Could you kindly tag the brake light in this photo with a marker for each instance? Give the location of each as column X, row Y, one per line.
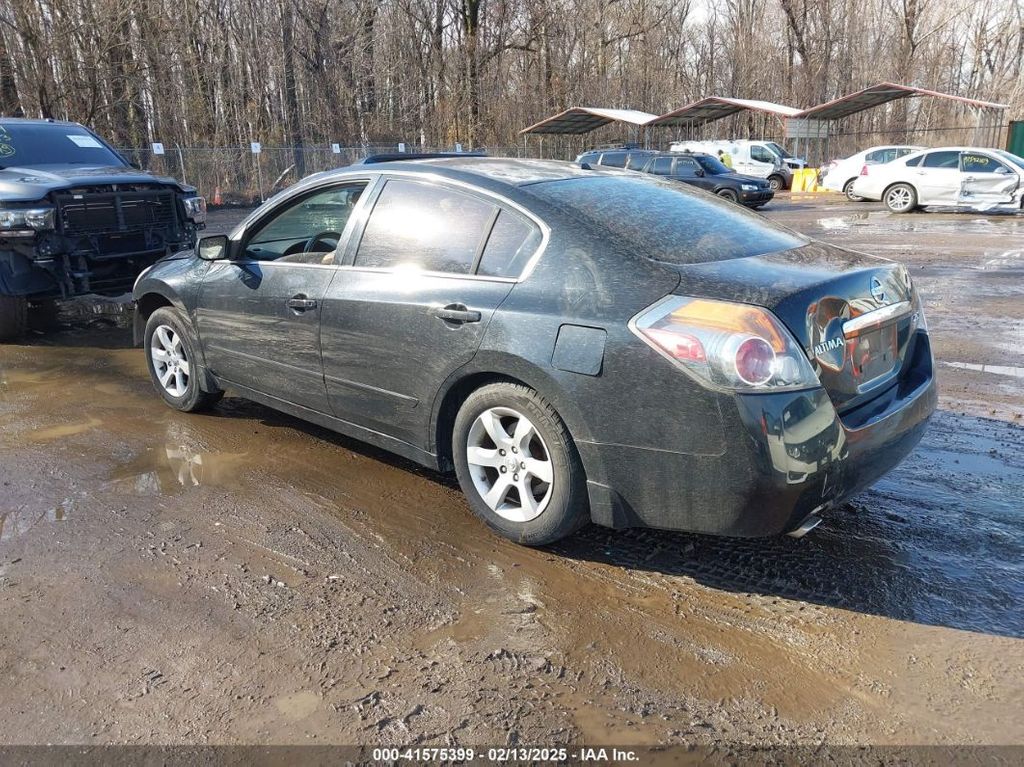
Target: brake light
column 725, row 345
column 864, row 170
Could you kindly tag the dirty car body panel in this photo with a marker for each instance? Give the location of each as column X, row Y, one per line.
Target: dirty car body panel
column 617, row 263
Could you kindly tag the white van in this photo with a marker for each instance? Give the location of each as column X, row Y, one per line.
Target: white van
column 751, row 158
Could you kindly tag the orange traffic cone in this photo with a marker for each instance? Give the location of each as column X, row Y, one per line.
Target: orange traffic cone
column 216, row 196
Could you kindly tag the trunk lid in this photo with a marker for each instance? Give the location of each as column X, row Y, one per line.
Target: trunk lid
column 852, row 313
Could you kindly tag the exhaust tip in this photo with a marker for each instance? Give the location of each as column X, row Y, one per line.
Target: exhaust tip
column 811, row 522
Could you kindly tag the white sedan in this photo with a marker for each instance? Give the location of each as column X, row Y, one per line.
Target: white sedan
column 961, row 177
column 839, row 175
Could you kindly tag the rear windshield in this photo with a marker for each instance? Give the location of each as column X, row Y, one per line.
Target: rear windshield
column 668, row 222
column 35, row 144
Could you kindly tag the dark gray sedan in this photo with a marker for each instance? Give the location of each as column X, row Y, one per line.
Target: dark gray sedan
column 578, row 345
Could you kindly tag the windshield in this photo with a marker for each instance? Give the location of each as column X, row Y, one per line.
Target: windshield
column 35, row 144
column 778, row 149
column 712, row 165
column 1011, row 157
column 666, row 221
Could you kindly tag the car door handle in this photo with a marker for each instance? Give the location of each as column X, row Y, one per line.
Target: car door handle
column 300, row 303
column 457, row 313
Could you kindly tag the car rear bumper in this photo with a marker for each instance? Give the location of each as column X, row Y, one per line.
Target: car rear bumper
column 788, row 456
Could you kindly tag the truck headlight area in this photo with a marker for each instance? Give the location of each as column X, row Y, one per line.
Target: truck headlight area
column 748, row 187
column 195, row 209
column 25, row 222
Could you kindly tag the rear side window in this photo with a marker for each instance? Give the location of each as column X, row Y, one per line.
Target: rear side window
column 614, row 159
column 662, row 166
column 512, row 242
column 636, row 161
column 942, row 160
column 424, row 226
column 665, row 221
column 979, row 163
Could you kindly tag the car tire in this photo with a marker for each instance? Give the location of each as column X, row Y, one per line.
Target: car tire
column 848, row 191
column 171, row 353
column 777, row 183
column 728, row 194
column 504, row 424
column 900, row 198
column 13, row 318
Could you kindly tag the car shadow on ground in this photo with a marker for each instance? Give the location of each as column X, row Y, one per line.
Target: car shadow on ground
column 939, row 541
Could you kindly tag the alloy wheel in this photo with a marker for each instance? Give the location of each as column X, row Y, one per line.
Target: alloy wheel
column 170, row 362
column 510, row 464
column 899, row 198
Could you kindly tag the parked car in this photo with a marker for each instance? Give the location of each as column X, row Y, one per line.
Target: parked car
column 578, row 344
column 628, row 158
column 751, row 158
column 697, row 169
column 961, row 177
column 839, row 175
column 76, row 218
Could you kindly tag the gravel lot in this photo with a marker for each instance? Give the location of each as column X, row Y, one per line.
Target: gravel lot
column 241, row 576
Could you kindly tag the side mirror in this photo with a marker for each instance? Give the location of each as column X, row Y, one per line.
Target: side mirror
column 213, row 247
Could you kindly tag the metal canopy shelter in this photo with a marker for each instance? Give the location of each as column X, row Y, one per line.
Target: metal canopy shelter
column 716, row 108
column 879, row 94
column 580, row 120
column 815, row 123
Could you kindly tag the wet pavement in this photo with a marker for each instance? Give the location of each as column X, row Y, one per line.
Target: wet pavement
column 241, row 576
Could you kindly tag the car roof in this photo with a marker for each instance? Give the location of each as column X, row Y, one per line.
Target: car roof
column 37, row 121
column 493, row 172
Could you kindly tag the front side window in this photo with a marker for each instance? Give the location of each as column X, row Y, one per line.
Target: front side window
column 306, row 230
column 942, row 160
column 712, row 165
column 686, row 167
column 980, row 163
column 425, row 227
column 761, row 154
column 913, row 162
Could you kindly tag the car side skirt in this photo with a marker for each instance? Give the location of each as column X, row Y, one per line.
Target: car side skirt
column 375, row 438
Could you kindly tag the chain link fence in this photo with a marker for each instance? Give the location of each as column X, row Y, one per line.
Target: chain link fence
column 238, row 176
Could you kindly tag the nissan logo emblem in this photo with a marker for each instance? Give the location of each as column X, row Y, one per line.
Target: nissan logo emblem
column 877, row 291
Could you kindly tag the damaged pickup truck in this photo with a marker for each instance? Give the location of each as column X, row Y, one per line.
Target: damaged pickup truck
column 76, row 218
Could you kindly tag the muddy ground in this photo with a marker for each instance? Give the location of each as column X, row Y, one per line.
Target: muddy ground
column 244, row 577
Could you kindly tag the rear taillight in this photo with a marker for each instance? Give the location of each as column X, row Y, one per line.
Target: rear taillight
column 864, row 170
column 725, row 345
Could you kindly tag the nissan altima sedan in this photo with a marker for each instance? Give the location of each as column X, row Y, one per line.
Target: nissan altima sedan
column 578, row 345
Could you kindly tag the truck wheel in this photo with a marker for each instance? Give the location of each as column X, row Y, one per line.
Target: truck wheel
column 518, row 466
column 727, row 194
column 13, row 317
column 777, row 183
column 848, row 191
column 171, row 357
